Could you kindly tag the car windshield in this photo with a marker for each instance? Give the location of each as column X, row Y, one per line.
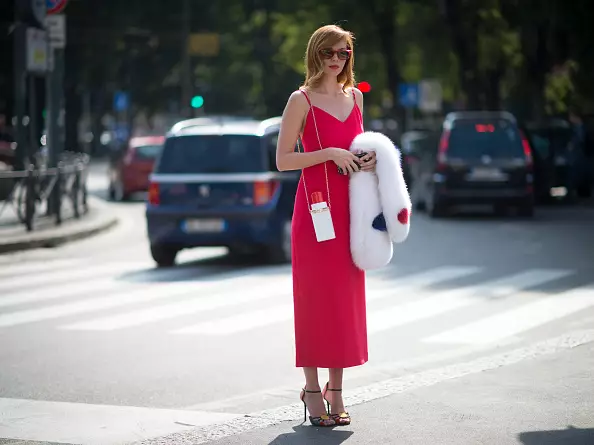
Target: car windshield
column 212, row 154
column 148, row 152
column 497, row 138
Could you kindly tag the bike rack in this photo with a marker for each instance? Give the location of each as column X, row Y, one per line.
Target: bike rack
column 37, row 186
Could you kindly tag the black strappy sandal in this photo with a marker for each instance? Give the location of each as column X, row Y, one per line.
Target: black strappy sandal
column 343, row 418
column 323, row 420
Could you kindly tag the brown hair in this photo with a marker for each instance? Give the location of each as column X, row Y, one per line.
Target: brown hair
column 325, row 37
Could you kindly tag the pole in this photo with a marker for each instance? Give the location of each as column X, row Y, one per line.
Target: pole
column 20, row 93
column 186, row 66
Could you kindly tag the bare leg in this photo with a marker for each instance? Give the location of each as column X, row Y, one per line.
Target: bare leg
column 314, row 401
column 335, row 397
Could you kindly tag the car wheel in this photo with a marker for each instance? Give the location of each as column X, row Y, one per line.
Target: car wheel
column 164, row 256
column 281, row 253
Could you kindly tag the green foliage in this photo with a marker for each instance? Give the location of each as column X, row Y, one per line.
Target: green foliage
column 138, row 46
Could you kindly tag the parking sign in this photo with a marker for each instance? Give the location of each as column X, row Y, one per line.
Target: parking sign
column 408, row 95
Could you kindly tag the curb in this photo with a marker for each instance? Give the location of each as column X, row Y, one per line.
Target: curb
column 36, row 240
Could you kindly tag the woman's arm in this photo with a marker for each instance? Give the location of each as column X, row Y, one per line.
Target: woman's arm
column 291, row 125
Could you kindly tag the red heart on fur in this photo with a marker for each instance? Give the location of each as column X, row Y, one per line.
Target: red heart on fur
column 403, row 216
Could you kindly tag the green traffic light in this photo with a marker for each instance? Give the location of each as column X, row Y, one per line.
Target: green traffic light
column 197, row 101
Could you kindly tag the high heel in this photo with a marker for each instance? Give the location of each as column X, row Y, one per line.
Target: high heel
column 342, row 418
column 323, row 420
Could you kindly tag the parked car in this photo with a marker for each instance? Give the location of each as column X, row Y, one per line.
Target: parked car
column 129, row 173
column 218, row 185
column 553, row 158
column 480, row 157
column 412, row 144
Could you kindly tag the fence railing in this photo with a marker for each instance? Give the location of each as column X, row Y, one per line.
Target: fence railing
column 40, row 191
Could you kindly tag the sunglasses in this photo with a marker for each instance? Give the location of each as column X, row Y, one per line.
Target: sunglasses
column 343, row 54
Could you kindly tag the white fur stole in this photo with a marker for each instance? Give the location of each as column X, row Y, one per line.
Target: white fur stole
column 380, row 205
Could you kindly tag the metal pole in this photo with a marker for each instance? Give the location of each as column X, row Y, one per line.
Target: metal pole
column 20, row 93
column 186, row 66
column 33, row 133
column 57, row 92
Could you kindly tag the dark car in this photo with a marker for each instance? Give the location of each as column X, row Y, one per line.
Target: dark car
column 218, row 185
column 413, row 144
column 481, row 158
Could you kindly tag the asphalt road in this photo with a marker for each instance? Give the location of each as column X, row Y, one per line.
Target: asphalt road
column 91, row 331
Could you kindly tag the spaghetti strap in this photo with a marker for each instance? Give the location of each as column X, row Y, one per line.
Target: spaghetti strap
column 354, row 97
column 306, row 96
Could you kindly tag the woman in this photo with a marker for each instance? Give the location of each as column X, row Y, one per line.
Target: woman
column 328, row 289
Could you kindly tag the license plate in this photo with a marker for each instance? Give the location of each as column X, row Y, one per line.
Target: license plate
column 486, row 174
column 204, row 225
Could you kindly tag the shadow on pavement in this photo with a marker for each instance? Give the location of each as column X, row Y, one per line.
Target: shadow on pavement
column 306, row 434
column 569, row 436
column 213, row 268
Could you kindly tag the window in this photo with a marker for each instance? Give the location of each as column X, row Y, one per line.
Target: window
column 212, row 154
column 147, row 152
column 498, row 138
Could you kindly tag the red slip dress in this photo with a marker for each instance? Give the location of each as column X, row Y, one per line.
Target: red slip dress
column 328, row 289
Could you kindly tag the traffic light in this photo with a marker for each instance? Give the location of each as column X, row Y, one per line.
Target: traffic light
column 197, row 102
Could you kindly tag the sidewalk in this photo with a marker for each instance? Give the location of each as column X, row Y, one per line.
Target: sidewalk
column 546, row 398
column 14, row 236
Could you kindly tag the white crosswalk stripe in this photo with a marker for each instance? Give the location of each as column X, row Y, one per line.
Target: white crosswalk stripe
column 519, row 319
column 204, row 303
column 453, row 299
column 284, row 312
column 56, row 277
column 251, row 299
column 149, row 293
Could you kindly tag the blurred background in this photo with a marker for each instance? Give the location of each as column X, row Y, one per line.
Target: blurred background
column 134, row 67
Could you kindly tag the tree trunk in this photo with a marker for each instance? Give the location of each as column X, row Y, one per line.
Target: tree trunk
column 384, row 16
column 463, row 29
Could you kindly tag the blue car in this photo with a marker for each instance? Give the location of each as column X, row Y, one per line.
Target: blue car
column 218, row 185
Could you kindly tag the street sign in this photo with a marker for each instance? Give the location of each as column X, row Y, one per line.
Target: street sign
column 408, row 95
column 430, row 96
column 37, row 50
column 56, row 28
column 55, row 6
column 121, row 101
column 203, row 44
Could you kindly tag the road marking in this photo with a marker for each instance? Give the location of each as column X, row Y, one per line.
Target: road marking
column 63, row 422
column 241, row 323
column 10, row 270
column 284, row 312
column 205, row 303
column 8, row 285
column 449, row 300
column 368, row 393
column 519, row 319
column 156, row 291
column 66, row 291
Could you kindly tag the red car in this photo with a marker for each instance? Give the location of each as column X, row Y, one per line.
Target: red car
column 130, row 173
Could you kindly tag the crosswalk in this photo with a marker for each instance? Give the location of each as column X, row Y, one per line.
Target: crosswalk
column 72, row 296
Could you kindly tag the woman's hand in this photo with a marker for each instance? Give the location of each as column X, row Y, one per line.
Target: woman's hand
column 368, row 162
column 344, row 159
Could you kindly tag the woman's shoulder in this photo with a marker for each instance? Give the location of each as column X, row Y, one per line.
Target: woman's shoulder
column 298, row 99
column 357, row 92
